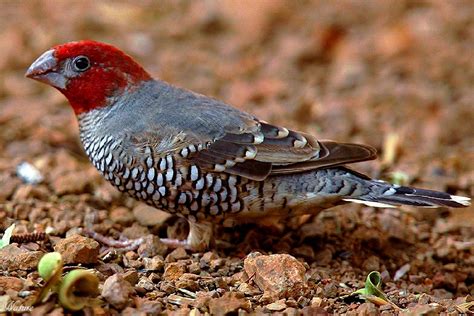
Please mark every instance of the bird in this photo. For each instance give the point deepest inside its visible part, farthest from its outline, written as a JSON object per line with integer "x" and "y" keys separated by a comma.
{"x": 200, "y": 158}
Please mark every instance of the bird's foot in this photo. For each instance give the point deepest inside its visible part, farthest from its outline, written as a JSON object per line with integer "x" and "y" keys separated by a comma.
{"x": 124, "y": 245}
{"x": 198, "y": 239}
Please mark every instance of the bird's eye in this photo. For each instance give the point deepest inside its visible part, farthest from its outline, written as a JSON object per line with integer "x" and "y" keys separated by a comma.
{"x": 81, "y": 63}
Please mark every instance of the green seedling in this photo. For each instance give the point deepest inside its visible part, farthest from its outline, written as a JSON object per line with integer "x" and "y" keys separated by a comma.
{"x": 372, "y": 291}
{"x": 74, "y": 290}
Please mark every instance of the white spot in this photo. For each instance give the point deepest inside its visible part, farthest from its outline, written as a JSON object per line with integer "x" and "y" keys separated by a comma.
{"x": 200, "y": 184}
{"x": 169, "y": 161}
{"x": 117, "y": 181}
{"x": 300, "y": 143}
{"x": 150, "y": 188}
{"x": 258, "y": 138}
{"x": 156, "y": 196}
{"x": 370, "y": 203}
{"x": 233, "y": 194}
{"x": 162, "y": 164}
{"x": 159, "y": 179}
{"x": 151, "y": 174}
{"x": 134, "y": 173}
{"x": 108, "y": 159}
{"x": 103, "y": 141}
{"x": 250, "y": 153}
{"x": 100, "y": 154}
{"x": 143, "y": 194}
{"x": 223, "y": 195}
{"x": 162, "y": 191}
{"x": 194, "y": 206}
{"x": 138, "y": 186}
{"x": 209, "y": 180}
{"x": 199, "y": 147}
{"x": 205, "y": 199}
{"x": 219, "y": 167}
{"x": 129, "y": 185}
{"x": 149, "y": 161}
{"x": 182, "y": 198}
{"x": 194, "y": 173}
{"x": 218, "y": 185}
{"x": 232, "y": 181}
{"x": 184, "y": 152}
{"x": 179, "y": 179}
{"x": 169, "y": 174}
{"x": 235, "y": 207}
{"x": 461, "y": 200}
{"x": 126, "y": 173}
{"x": 390, "y": 191}
{"x": 229, "y": 163}
{"x": 282, "y": 132}
{"x": 29, "y": 173}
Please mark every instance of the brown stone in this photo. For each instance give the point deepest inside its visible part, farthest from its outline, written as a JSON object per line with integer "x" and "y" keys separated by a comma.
{"x": 154, "y": 264}
{"x": 177, "y": 254}
{"x": 174, "y": 271}
{"x": 367, "y": 309}
{"x": 279, "y": 275}
{"x": 228, "y": 303}
{"x": 14, "y": 258}
{"x": 152, "y": 246}
{"x": 276, "y": 306}
{"x": 78, "y": 249}
{"x": 10, "y": 283}
{"x": 117, "y": 291}
{"x": 70, "y": 183}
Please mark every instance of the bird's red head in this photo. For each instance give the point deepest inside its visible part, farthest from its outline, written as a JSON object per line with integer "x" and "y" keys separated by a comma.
{"x": 88, "y": 73}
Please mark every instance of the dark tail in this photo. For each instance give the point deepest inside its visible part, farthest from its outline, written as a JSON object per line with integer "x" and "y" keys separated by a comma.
{"x": 390, "y": 195}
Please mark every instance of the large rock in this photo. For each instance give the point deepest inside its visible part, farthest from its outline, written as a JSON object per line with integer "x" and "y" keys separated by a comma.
{"x": 78, "y": 249}
{"x": 14, "y": 258}
{"x": 279, "y": 275}
{"x": 117, "y": 291}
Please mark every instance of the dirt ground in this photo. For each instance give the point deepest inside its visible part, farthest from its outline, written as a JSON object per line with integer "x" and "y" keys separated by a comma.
{"x": 397, "y": 75}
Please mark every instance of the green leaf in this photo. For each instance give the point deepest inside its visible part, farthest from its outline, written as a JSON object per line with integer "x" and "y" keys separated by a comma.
{"x": 373, "y": 285}
{"x": 6, "y": 236}
{"x": 373, "y": 290}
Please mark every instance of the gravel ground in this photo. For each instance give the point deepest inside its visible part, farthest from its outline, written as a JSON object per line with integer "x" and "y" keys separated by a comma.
{"x": 396, "y": 75}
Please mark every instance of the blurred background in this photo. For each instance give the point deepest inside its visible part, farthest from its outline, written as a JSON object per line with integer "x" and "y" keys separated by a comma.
{"x": 395, "y": 74}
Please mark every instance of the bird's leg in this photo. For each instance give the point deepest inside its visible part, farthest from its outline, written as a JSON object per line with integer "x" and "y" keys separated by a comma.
{"x": 199, "y": 237}
{"x": 125, "y": 245}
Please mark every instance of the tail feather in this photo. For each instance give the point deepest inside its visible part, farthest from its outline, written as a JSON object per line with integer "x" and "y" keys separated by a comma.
{"x": 401, "y": 195}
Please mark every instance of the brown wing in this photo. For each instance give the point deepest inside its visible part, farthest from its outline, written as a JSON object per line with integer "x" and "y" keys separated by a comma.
{"x": 271, "y": 150}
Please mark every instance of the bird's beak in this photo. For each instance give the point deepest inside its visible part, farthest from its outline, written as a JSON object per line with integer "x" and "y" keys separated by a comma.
{"x": 44, "y": 69}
